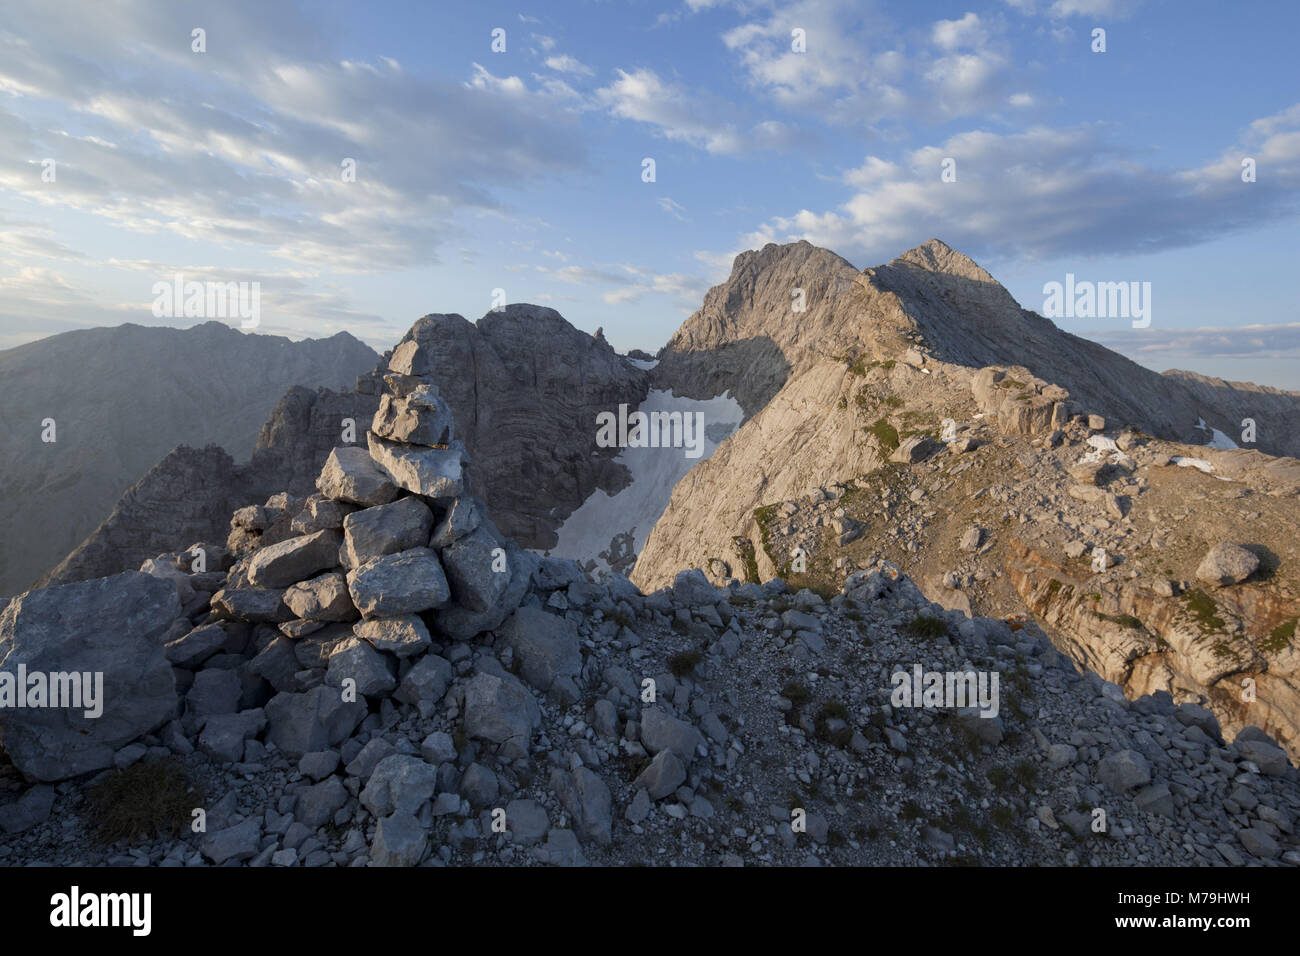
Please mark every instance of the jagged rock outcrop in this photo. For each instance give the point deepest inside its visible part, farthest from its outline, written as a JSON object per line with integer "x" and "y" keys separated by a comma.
{"x": 524, "y": 387}
{"x": 120, "y": 398}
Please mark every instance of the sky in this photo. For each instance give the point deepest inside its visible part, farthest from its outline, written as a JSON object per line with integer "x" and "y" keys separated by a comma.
{"x": 369, "y": 163}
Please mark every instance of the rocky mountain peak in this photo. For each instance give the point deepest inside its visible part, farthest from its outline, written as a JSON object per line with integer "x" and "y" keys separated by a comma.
{"x": 935, "y": 255}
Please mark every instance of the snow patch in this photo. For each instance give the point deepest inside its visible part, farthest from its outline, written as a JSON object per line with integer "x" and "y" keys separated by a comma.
{"x": 644, "y": 364}
{"x": 1217, "y": 438}
{"x": 1102, "y": 448}
{"x": 1200, "y": 464}
{"x": 610, "y": 530}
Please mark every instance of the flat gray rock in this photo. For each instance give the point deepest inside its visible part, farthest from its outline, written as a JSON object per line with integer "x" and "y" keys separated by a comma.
{"x": 351, "y": 475}
{"x": 432, "y": 472}
{"x": 386, "y": 529}
{"x": 279, "y": 565}
{"x": 110, "y": 626}
{"x": 397, "y": 584}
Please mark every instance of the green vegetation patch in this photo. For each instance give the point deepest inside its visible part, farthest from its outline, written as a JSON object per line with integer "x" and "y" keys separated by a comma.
{"x": 1202, "y": 608}
{"x": 1280, "y": 636}
{"x": 1123, "y": 620}
{"x": 884, "y": 433}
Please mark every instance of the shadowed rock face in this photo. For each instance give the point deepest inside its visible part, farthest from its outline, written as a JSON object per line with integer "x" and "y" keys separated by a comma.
{"x": 190, "y": 494}
{"x": 525, "y": 387}
{"x": 122, "y": 398}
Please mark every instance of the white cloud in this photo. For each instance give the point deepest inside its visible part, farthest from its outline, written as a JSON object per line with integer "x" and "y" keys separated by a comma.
{"x": 672, "y": 207}
{"x": 244, "y": 146}
{"x": 1154, "y": 345}
{"x": 684, "y": 289}
{"x": 857, "y": 67}
{"x": 954, "y": 34}
{"x": 688, "y": 117}
{"x": 1059, "y": 9}
{"x": 567, "y": 64}
{"x": 1094, "y": 8}
{"x": 1048, "y": 192}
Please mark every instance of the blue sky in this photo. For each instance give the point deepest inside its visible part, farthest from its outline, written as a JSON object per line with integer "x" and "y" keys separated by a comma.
{"x": 521, "y": 170}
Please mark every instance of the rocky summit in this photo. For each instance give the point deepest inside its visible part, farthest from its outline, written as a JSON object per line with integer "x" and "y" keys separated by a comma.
{"x": 374, "y": 674}
{"x": 924, "y": 606}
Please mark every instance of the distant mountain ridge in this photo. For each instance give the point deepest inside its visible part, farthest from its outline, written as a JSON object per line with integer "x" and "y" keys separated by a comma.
{"x": 520, "y": 383}
{"x": 121, "y": 398}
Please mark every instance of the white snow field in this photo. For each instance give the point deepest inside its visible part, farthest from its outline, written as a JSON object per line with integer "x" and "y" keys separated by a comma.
{"x": 609, "y": 531}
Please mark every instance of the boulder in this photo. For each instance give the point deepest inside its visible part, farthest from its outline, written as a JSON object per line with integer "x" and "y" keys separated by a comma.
{"x": 397, "y": 584}
{"x": 420, "y": 417}
{"x": 318, "y": 803}
{"x": 662, "y": 731}
{"x": 462, "y": 624}
{"x": 586, "y": 796}
{"x": 350, "y": 474}
{"x": 386, "y": 529}
{"x": 915, "y": 449}
{"x": 320, "y": 514}
{"x": 357, "y": 660}
{"x": 323, "y": 598}
{"x": 1227, "y": 563}
{"x": 195, "y": 646}
{"x": 68, "y": 636}
{"x": 315, "y": 720}
{"x": 464, "y": 515}
{"x": 1124, "y": 770}
{"x": 425, "y": 683}
{"x": 432, "y": 472}
{"x": 501, "y": 711}
{"x": 664, "y": 775}
{"x": 399, "y": 783}
{"x": 400, "y": 840}
{"x": 279, "y": 565}
{"x": 693, "y": 589}
{"x": 403, "y": 636}
{"x": 255, "y": 605}
{"x": 545, "y": 645}
{"x": 224, "y": 734}
{"x": 478, "y": 569}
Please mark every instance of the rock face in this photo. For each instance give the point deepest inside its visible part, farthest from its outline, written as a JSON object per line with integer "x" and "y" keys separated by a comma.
{"x": 100, "y": 638}
{"x": 206, "y": 384}
{"x": 866, "y": 372}
{"x": 524, "y": 388}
